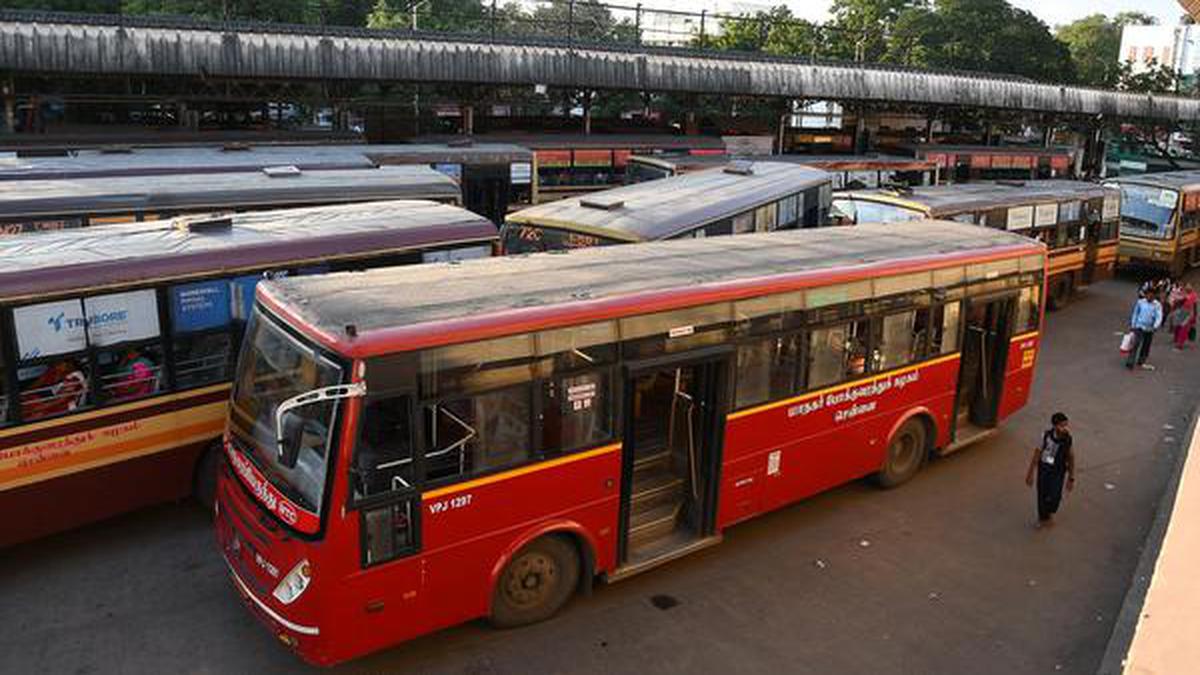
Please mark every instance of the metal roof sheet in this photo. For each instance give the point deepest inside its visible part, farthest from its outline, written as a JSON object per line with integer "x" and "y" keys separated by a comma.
{"x": 945, "y": 200}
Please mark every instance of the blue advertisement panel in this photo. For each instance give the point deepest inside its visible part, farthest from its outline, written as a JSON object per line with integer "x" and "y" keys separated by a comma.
{"x": 200, "y": 305}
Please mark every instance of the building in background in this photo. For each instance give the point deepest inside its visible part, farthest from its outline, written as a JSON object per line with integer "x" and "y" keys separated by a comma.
{"x": 1177, "y": 47}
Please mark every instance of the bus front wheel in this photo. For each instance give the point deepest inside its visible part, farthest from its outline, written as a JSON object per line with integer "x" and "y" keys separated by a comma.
{"x": 536, "y": 583}
{"x": 905, "y": 455}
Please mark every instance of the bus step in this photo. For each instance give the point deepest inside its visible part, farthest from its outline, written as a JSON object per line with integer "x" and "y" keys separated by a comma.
{"x": 653, "y": 524}
{"x": 655, "y": 488}
{"x": 658, "y": 457}
{"x": 665, "y": 551}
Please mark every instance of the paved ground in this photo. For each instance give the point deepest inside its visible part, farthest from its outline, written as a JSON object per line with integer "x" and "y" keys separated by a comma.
{"x": 944, "y": 574}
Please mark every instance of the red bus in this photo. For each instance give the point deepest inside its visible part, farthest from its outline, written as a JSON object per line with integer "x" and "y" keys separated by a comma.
{"x": 412, "y": 448}
{"x": 117, "y": 344}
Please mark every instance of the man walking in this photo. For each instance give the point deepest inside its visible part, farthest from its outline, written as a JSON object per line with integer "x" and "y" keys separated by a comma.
{"x": 1147, "y": 317}
{"x": 1052, "y": 462}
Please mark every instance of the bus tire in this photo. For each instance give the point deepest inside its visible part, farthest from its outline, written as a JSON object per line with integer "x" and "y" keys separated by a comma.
{"x": 535, "y": 583}
{"x": 905, "y": 454}
{"x": 204, "y": 477}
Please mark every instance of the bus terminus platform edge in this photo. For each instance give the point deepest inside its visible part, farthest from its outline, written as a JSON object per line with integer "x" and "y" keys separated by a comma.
{"x": 412, "y": 448}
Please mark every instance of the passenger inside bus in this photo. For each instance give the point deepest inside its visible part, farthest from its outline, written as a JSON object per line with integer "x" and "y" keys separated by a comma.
{"x": 133, "y": 375}
{"x": 53, "y": 389}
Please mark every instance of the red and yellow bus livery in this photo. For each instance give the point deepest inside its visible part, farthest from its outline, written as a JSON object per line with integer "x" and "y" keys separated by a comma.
{"x": 412, "y": 448}
{"x": 117, "y": 344}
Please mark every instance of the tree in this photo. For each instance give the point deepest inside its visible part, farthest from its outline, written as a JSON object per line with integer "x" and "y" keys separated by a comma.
{"x": 776, "y": 31}
{"x": 861, "y": 29}
{"x": 982, "y": 35}
{"x": 588, "y": 20}
{"x": 1155, "y": 78}
{"x": 1134, "y": 18}
{"x": 431, "y": 15}
{"x": 1095, "y": 44}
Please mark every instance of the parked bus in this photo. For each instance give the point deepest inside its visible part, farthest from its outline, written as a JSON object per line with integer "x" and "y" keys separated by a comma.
{"x": 1077, "y": 221}
{"x": 969, "y": 163}
{"x": 1160, "y": 213}
{"x": 740, "y": 198}
{"x": 570, "y": 165}
{"x": 490, "y": 173}
{"x": 412, "y": 448}
{"x": 116, "y": 344}
{"x": 846, "y": 171}
{"x": 35, "y": 205}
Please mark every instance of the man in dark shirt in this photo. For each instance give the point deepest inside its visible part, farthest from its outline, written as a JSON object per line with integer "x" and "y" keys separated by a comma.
{"x": 1053, "y": 461}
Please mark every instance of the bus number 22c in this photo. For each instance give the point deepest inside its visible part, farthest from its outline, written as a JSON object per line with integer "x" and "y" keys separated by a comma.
{"x": 450, "y": 504}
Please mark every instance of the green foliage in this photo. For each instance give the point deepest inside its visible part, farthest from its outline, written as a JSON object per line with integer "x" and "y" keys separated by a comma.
{"x": 1134, "y": 18}
{"x": 776, "y": 31}
{"x": 861, "y": 28}
{"x": 1156, "y": 79}
{"x": 1094, "y": 43}
{"x": 431, "y": 15}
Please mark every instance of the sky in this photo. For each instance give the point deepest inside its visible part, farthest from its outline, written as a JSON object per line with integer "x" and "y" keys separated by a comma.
{"x": 1053, "y": 12}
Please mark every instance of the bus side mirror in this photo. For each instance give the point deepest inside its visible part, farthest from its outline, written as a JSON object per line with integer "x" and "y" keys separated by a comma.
{"x": 289, "y": 435}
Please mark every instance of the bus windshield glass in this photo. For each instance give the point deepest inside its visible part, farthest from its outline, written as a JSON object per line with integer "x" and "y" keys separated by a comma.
{"x": 863, "y": 211}
{"x": 641, "y": 172}
{"x": 1146, "y": 211}
{"x": 274, "y": 367}
{"x": 521, "y": 238}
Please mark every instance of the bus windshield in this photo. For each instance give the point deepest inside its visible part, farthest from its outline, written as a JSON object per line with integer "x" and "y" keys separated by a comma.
{"x": 641, "y": 172}
{"x": 1146, "y": 211}
{"x": 520, "y": 238}
{"x": 275, "y": 367}
{"x": 862, "y": 211}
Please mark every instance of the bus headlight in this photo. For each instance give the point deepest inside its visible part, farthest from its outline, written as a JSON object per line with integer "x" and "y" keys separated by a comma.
{"x": 294, "y": 584}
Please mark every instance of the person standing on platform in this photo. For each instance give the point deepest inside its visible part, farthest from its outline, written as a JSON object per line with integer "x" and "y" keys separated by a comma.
{"x": 1053, "y": 465}
{"x": 1147, "y": 317}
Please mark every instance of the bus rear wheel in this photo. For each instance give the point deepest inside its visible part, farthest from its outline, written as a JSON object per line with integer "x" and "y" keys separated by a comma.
{"x": 536, "y": 583}
{"x": 905, "y": 455}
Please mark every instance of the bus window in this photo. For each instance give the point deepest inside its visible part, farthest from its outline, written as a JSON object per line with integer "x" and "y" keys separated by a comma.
{"x": 766, "y": 370}
{"x": 765, "y": 218}
{"x": 201, "y": 317}
{"x": 1070, "y": 212}
{"x": 576, "y": 412}
{"x": 743, "y": 223}
{"x": 898, "y": 340}
{"x": 4, "y": 416}
{"x": 53, "y": 372}
{"x": 719, "y": 228}
{"x": 126, "y": 326}
{"x": 875, "y": 212}
{"x": 383, "y": 460}
{"x": 518, "y": 238}
{"x": 857, "y": 346}
{"x": 826, "y": 355}
{"x": 478, "y": 433}
{"x": 1147, "y": 211}
{"x": 789, "y": 212}
{"x": 944, "y": 338}
{"x": 1028, "y": 310}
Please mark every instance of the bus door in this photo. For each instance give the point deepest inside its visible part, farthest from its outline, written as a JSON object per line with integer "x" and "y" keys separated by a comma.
{"x": 674, "y": 426}
{"x": 984, "y": 353}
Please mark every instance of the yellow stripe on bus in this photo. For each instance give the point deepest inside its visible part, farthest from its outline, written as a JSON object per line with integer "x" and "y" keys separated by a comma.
{"x": 521, "y": 471}
{"x": 1024, "y": 336}
{"x": 844, "y": 385}
{"x": 100, "y": 455}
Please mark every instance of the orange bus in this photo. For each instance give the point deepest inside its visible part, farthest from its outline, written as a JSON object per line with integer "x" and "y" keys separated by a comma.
{"x": 116, "y": 343}
{"x": 412, "y": 448}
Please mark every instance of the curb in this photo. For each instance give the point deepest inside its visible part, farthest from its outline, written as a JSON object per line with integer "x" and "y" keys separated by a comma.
{"x": 1113, "y": 662}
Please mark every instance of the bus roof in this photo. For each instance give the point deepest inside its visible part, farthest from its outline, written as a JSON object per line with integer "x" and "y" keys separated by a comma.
{"x": 941, "y": 200}
{"x": 686, "y": 162}
{"x": 659, "y": 209}
{"x": 1174, "y": 180}
{"x": 564, "y": 141}
{"x": 166, "y": 161}
{"x": 44, "y": 263}
{"x": 925, "y": 148}
{"x": 401, "y": 309}
{"x": 124, "y": 194}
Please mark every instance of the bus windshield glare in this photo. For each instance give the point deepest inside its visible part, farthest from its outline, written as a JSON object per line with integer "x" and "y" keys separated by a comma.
{"x": 273, "y": 368}
{"x": 520, "y": 238}
{"x": 863, "y": 211}
{"x": 1146, "y": 211}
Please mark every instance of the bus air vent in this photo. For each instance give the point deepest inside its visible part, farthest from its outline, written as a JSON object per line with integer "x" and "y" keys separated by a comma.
{"x": 740, "y": 167}
{"x": 208, "y": 222}
{"x": 602, "y": 202}
{"x": 282, "y": 171}
{"x": 235, "y": 146}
